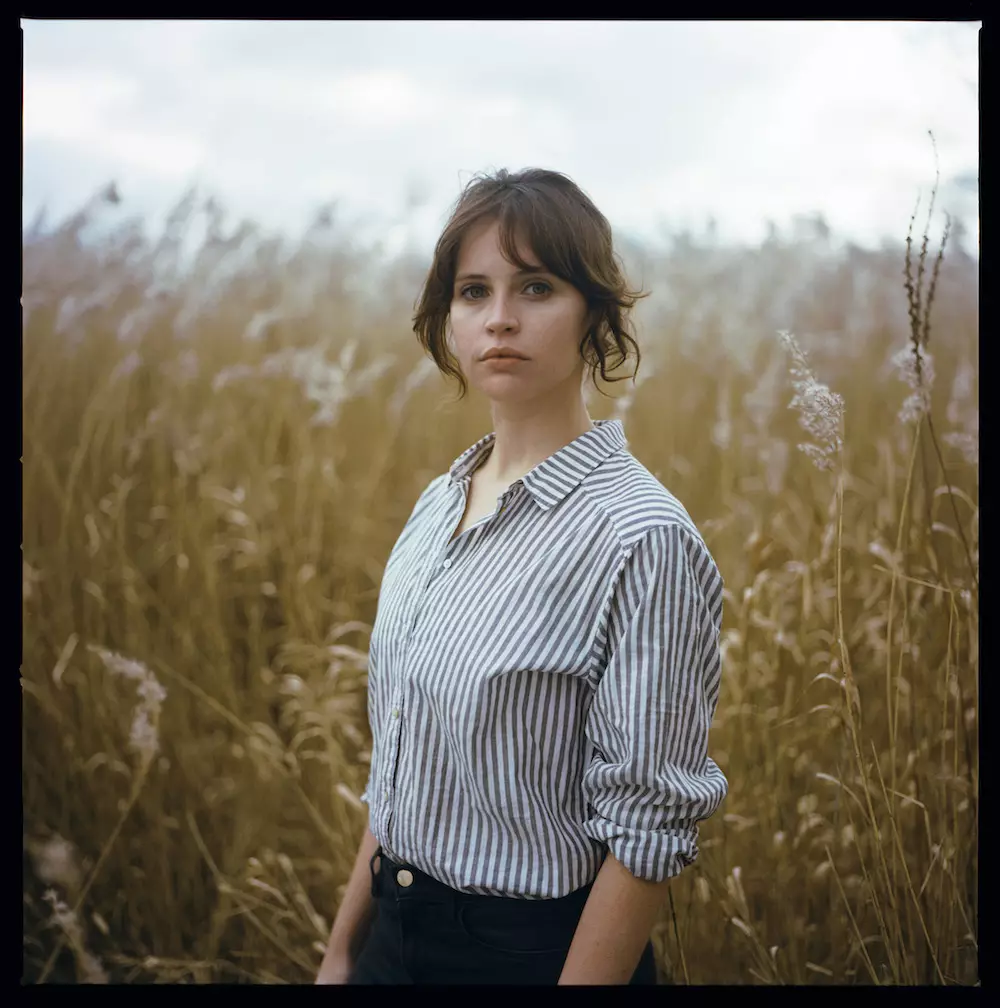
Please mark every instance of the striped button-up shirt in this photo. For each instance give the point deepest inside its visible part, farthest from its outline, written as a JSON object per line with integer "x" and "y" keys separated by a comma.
{"x": 541, "y": 688}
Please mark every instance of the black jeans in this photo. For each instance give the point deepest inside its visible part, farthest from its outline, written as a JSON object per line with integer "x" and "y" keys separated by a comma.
{"x": 428, "y": 933}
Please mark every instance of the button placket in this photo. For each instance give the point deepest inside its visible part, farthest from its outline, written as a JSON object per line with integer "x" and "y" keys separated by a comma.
{"x": 396, "y": 711}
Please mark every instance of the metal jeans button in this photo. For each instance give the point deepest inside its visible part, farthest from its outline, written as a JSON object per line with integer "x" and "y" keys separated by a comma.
{"x": 404, "y": 877}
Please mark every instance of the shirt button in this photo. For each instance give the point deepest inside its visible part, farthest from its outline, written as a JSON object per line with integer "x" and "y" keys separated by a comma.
{"x": 446, "y": 564}
{"x": 385, "y": 794}
{"x": 395, "y": 713}
{"x": 404, "y": 877}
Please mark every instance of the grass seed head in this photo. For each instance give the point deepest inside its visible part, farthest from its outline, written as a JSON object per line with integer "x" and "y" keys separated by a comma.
{"x": 821, "y": 412}
{"x": 144, "y": 732}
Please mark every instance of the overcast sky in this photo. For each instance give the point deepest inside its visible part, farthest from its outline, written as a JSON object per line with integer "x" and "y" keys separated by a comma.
{"x": 664, "y": 123}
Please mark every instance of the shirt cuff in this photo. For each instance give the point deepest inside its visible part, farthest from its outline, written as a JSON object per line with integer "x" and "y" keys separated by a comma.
{"x": 652, "y": 855}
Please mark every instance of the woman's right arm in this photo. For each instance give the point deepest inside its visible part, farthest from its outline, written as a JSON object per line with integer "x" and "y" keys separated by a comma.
{"x": 353, "y": 920}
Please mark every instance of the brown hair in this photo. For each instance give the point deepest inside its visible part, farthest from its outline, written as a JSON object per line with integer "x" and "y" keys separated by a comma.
{"x": 570, "y": 236}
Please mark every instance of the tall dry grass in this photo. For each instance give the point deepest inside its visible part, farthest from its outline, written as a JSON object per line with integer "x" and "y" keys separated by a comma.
{"x": 220, "y": 447}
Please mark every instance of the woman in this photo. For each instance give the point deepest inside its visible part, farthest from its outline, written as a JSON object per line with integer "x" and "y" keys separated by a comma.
{"x": 544, "y": 664}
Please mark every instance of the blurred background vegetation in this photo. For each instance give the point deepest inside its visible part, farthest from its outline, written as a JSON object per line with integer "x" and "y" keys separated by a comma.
{"x": 224, "y": 433}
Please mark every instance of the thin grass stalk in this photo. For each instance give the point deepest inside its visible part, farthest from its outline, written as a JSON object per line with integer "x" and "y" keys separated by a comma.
{"x": 866, "y": 875}
{"x": 954, "y": 508}
{"x": 909, "y": 883}
{"x": 677, "y": 938}
{"x": 105, "y": 850}
{"x": 88, "y": 425}
{"x": 851, "y": 691}
{"x": 288, "y": 953}
{"x": 891, "y": 703}
{"x": 854, "y": 924}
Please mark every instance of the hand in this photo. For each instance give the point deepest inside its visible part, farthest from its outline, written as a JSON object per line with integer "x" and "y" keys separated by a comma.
{"x": 334, "y": 971}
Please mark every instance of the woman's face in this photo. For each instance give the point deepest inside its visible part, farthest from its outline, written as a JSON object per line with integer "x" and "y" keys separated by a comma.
{"x": 535, "y": 314}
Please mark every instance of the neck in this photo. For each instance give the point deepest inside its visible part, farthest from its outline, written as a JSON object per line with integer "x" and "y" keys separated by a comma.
{"x": 527, "y": 435}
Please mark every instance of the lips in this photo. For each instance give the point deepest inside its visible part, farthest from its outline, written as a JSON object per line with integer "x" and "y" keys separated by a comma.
{"x": 493, "y": 354}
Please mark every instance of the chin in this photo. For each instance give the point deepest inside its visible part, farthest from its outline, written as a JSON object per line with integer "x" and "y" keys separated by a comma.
{"x": 506, "y": 388}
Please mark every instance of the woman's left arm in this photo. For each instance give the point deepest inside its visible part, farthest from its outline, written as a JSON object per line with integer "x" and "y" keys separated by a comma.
{"x": 651, "y": 780}
{"x": 616, "y": 923}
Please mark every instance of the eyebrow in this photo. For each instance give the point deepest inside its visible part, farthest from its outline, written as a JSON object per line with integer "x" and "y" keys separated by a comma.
{"x": 519, "y": 273}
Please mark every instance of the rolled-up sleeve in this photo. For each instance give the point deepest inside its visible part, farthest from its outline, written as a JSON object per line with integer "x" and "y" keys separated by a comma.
{"x": 651, "y": 779}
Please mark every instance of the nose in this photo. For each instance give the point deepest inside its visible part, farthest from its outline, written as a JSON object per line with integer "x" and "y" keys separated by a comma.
{"x": 501, "y": 316}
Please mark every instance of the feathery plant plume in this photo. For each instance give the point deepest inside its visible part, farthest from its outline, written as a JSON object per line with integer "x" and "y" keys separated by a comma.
{"x": 915, "y": 366}
{"x": 918, "y": 373}
{"x": 88, "y": 968}
{"x": 966, "y": 441}
{"x": 961, "y": 391}
{"x": 56, "y": 862}
{"x": 325, "y": 384}
{"x": 144, "y": 735}
{"x": 144, "y": 739}
{"x": 821, "y": 412}
{"x": 920, "y": 321}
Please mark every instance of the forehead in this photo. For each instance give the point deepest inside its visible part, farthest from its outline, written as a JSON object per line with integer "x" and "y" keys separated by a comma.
{"x": 480, "y": 246}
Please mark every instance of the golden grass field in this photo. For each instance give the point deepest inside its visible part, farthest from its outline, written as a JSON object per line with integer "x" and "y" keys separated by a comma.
{"x": 217, "y": 463}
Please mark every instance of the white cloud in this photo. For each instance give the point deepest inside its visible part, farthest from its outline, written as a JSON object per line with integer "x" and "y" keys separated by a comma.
{"x": 376, "y": 99}
{"x": 675, "y": 119}
{"x": 171, "y": 156}
{"x": 88, "y": 108}
{"x": 72, "y": 105}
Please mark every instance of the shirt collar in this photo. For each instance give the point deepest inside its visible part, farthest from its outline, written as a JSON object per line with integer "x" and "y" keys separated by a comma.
{"x": 551, "y": 480}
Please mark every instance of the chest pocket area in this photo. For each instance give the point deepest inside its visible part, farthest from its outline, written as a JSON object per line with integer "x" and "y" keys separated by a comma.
{"x": 536, "y": 616}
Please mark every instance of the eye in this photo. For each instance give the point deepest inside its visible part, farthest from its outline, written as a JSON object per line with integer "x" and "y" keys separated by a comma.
{"x": 467, "y": 291}
{"x": 546, "y": 287}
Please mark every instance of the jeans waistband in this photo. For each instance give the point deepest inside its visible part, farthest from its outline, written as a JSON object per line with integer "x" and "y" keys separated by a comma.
{"x": 405, "y": 881}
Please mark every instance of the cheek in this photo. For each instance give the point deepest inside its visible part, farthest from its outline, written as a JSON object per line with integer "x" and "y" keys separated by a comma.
{"x": 456, "y": 324}
{"x": 461, "y": 336}
{"x": 569, "y": 327}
